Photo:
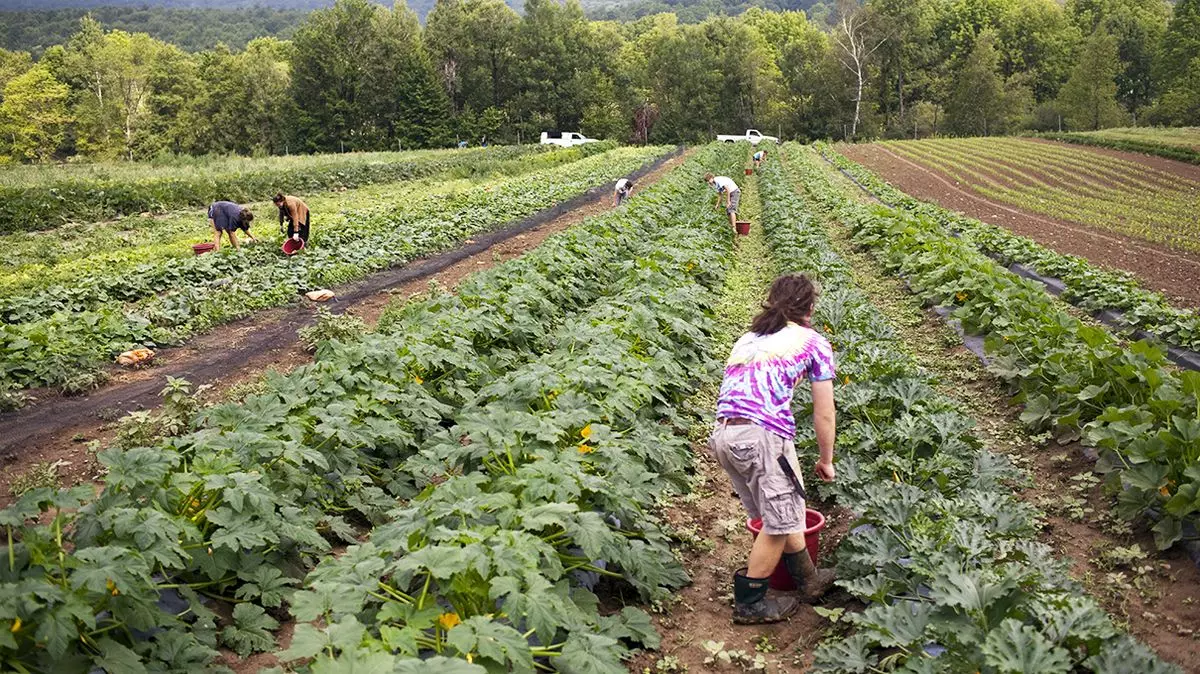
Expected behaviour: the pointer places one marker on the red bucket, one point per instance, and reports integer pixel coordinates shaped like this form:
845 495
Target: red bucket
291 246
814 522
202 248
743 228
750 172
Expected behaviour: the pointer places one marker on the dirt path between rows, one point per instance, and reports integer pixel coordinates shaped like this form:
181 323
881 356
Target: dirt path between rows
1174 273
56 429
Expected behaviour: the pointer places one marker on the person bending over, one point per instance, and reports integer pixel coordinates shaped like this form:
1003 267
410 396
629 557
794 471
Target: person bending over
227 217
725 186
622 192
753 438
295 212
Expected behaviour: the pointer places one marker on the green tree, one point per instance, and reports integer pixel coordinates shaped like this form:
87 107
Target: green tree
977 104
13 64
1089 98
1139 27
1180 105
471 45
362 80
33 116
1181 45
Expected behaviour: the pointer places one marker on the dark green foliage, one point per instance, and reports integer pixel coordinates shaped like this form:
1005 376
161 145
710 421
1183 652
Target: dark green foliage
192 29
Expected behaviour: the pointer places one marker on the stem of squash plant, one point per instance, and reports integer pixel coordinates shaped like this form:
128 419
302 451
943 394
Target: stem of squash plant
12 561
196 586
424 591
396 593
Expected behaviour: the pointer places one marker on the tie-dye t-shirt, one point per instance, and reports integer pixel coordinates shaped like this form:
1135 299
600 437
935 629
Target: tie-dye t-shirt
763 370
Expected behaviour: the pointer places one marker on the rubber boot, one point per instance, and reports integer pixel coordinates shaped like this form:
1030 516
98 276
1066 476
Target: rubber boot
812 583
752 606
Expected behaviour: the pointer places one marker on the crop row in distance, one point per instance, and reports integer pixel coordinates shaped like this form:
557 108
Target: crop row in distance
1075 380
50 203
506 443
945 555
61 335
1069 183
1180 143
35 260
1086 285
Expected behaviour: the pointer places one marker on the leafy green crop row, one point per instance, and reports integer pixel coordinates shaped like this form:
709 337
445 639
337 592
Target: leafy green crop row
31 261
1075 380
1087 286
49 204
59 334
945 555
501 438
1145 146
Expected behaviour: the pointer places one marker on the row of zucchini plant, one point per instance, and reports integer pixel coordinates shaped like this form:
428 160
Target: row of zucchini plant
1075 380
45 205
1090 287
441 420
944 554
60 335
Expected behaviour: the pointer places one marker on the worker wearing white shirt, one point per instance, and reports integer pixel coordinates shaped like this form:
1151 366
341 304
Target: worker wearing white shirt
623 190
733 195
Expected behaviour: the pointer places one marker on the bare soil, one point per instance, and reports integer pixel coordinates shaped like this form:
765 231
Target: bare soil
57 428
1174 273
1156 599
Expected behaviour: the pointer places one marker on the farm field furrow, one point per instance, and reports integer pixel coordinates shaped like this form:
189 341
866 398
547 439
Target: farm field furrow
502 441
1077 382
1086 285
1114 195
35 198
933 501
60 335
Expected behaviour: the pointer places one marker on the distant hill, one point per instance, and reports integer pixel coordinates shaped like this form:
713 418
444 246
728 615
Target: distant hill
194 25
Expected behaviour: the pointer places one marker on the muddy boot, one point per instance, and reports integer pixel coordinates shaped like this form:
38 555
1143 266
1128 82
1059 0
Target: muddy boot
811 582
752 606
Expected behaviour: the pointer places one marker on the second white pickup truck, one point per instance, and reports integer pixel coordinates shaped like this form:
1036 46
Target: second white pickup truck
752 135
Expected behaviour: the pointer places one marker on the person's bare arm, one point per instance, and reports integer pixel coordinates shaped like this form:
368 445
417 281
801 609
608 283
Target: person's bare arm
825 423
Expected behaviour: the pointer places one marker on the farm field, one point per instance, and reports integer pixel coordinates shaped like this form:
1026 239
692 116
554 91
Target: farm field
66 319
1126 212
1182 143
1117 294
41 197
512 477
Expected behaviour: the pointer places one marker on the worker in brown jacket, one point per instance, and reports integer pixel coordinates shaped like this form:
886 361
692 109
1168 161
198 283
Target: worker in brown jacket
295 212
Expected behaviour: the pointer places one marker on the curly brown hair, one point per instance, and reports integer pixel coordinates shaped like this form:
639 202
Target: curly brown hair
790 300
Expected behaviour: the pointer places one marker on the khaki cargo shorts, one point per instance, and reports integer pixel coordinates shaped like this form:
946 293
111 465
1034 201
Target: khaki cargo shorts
750 454
735 200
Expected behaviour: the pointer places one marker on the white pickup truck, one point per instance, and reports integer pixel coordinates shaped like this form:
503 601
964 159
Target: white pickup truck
752 135
565 138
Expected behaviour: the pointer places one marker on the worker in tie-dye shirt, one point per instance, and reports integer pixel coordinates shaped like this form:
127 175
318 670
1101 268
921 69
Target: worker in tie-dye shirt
753 441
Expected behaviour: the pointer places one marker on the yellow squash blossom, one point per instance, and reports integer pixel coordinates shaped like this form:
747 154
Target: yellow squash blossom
417 378
16 626
584 449
448 620
586 432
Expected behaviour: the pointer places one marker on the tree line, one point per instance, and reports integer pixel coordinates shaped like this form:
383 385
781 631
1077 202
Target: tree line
358 76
